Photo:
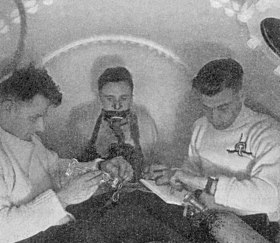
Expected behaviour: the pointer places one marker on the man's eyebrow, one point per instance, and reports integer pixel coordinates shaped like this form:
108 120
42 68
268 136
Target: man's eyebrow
223 105
219 106
34 116
206 106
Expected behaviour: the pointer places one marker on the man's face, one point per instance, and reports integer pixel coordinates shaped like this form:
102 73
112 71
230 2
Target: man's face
222 109
27 118
116 96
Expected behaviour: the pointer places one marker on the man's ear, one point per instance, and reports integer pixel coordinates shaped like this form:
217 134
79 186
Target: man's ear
242 95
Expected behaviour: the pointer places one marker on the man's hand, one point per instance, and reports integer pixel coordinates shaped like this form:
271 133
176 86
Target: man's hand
80 188
153 171
118 168
188 179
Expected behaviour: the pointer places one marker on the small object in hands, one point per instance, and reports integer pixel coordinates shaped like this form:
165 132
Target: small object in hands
73 165
160 170
188 210
105 177
116 194
114 183
190 199
166 175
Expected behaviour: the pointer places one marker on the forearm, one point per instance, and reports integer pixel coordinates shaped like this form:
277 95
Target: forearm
256 195
21 222
66 168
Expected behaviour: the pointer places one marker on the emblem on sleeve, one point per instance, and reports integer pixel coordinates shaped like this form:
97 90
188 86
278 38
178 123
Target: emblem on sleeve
240 148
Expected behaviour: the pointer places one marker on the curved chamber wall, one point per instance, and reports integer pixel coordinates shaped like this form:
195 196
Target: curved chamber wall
199 33
162 85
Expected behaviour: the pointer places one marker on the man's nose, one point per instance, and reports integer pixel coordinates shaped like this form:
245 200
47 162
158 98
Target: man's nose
40 125
117 105
216 116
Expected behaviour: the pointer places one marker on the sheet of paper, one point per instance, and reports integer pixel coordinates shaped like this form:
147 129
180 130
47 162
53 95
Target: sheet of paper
164 192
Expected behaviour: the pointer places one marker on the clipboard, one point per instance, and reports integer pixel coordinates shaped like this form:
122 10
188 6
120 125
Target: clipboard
164 192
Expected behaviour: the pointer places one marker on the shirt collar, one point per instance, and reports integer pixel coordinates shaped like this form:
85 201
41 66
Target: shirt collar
245 115
13 141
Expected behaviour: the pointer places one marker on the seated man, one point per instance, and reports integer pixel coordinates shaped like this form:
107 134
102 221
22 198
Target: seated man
34 189
121 129
234 153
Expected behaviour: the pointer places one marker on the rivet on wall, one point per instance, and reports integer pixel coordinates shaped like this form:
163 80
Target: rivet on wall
48 2
254 42
29 3
215 4
245 10
5 29
15 16
31 7
229 12
33 10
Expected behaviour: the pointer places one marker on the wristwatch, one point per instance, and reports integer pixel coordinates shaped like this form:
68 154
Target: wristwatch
211 185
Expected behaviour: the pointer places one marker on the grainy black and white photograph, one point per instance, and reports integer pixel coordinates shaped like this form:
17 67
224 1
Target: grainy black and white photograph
140 121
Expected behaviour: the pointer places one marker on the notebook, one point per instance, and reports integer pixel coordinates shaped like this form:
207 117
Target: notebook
164 192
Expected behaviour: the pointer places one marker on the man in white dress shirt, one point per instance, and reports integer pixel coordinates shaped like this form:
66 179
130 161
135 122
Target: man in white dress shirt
34 187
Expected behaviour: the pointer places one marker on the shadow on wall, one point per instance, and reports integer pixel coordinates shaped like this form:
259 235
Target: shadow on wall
260 108
101 64
188 111
197 54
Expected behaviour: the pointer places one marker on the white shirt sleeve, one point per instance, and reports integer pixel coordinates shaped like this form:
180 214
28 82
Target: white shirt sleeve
18 222
21 222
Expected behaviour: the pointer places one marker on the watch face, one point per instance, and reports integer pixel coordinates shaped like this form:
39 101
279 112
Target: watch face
270 28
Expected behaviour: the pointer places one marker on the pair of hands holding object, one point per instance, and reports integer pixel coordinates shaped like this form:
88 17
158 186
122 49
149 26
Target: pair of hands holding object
85 179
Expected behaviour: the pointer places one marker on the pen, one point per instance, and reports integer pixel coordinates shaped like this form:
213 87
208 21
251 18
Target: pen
165 169
161 170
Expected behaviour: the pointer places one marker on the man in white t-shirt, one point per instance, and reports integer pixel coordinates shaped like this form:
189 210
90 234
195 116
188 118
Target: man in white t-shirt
36 186
234 153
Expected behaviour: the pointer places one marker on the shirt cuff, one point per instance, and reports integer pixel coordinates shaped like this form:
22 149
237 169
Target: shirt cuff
223 188
51 208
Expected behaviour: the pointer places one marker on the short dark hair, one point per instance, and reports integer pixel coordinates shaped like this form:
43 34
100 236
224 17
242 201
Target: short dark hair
28 82
115 75
217 75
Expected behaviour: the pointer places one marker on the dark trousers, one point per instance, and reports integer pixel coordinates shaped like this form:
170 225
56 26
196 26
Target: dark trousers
78 231
126 221
139 212
137 217
141 217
